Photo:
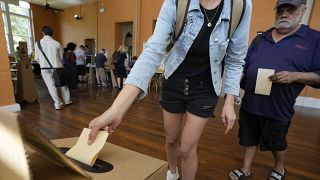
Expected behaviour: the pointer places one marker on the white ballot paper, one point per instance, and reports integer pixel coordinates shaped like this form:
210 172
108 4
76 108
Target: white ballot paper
85 153
263 83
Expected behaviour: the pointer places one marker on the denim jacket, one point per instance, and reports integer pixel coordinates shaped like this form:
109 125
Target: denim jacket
233 49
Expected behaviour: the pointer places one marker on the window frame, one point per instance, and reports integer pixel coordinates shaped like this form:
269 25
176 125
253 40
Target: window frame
7 13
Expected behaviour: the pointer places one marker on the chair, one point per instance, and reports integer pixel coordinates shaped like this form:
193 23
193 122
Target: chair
156 79
113 77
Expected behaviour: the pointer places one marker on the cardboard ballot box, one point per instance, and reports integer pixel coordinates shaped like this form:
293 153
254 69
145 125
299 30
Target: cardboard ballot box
127 164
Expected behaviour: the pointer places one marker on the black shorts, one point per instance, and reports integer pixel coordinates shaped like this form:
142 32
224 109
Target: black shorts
268 133
81 70
193 95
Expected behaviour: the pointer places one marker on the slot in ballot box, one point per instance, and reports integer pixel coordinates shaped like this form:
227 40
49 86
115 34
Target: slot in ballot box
127 165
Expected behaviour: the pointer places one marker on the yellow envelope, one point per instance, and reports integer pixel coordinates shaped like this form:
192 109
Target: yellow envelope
85 153
263 83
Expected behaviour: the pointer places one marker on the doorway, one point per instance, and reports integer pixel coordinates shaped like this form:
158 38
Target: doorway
124 35
91 43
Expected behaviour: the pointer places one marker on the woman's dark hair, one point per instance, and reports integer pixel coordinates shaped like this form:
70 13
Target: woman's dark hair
47 30
71 46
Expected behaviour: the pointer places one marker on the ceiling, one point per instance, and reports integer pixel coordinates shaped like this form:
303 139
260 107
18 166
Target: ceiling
61 4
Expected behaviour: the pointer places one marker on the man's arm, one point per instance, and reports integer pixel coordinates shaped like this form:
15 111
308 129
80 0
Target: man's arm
60 52
308 78
286 77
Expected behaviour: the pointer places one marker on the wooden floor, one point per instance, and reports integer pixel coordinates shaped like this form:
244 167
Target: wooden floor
142 131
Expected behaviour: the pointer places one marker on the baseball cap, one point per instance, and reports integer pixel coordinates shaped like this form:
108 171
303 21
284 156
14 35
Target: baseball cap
295 3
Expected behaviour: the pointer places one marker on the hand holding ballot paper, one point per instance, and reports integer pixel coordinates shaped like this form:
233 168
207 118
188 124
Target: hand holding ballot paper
263 83
285 77
85 153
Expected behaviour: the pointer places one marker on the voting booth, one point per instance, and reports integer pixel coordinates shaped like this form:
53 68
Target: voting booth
127 164
26 154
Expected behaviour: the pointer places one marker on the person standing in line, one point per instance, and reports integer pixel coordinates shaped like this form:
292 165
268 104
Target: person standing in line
81 61
89 55
100 71
105 52
120 68
193 70
53 51
293 51
69 59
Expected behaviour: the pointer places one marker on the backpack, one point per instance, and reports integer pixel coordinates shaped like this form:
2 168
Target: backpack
182 6
116 57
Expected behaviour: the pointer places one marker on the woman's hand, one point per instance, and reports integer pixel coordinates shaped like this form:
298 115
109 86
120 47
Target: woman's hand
108 121
228 113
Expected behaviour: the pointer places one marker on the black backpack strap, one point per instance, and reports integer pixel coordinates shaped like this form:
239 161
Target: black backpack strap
45 56
256 42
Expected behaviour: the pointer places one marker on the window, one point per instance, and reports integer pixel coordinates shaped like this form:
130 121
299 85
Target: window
3 7
17 26
18 10
6 31
21 30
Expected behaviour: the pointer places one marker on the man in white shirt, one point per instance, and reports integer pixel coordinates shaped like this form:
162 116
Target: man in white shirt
53 51
105 52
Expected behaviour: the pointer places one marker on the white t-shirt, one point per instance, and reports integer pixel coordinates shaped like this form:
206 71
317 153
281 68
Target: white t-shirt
81 56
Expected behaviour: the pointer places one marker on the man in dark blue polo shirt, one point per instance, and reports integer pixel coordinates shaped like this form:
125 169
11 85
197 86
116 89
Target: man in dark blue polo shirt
292 50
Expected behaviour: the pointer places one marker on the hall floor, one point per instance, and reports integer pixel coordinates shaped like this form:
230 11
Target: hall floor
142 131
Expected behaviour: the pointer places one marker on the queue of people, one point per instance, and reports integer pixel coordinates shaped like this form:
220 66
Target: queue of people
74 59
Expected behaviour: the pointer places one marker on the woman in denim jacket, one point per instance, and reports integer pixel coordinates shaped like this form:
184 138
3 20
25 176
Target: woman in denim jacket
193 77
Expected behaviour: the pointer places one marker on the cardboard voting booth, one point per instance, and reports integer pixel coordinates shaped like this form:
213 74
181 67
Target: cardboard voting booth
26 154
27 89
127 164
